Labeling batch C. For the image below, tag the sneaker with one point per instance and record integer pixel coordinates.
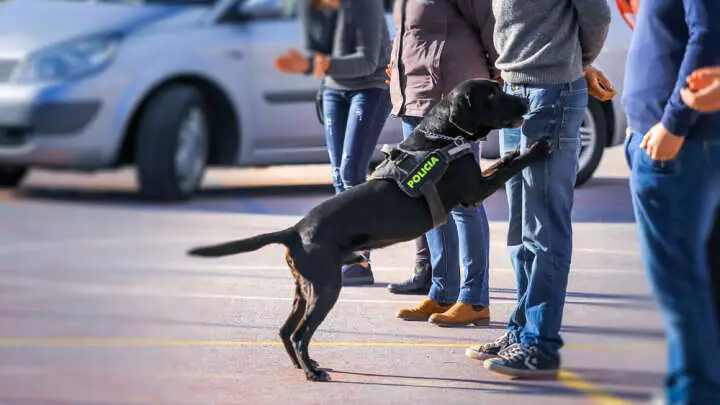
(489, 350)
(461, 315)
(524, 361)
(423, 311)
(357, 274)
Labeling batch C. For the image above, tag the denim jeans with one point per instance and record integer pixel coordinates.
(675, 202)
(540, 199)
(466, 232)
(353, 122)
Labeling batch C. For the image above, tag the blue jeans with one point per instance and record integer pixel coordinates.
(466, 230)
(353, 122)
(675, 202)
(540, 200)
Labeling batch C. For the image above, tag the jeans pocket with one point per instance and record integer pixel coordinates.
(568, 138)
(648, 164)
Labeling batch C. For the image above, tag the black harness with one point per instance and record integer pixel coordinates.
(417, 172)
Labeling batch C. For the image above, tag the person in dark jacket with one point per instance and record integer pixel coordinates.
(673, 151)
(347, 43)
(438, 45)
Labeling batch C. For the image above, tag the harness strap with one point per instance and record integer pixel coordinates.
(437, 210)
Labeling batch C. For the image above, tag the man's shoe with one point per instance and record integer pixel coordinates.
(489, 350)
(357, 274)
(423, 311)
(524, 361)
(462, 314)
(418, 283)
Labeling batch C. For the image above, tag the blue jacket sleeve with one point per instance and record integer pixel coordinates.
(703, 49)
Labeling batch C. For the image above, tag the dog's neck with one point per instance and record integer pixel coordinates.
(424, 136)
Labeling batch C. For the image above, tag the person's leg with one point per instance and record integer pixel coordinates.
(547, 196)
(674, 203)
(468, 233)
(714, 263)
(369, 109)
(335, 107)
(420, 279)
(519, 256)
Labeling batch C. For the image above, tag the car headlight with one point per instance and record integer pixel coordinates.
(70, 59)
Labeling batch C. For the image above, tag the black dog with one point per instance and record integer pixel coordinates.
(378, 213)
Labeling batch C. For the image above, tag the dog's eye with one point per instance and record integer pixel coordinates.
(491, 96)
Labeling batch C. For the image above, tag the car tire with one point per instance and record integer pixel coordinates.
(593, 138)
(171, 148)
(12, 176)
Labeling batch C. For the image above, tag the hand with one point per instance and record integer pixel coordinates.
(661, 144)
(598, 85)
(388, 71)
(292, 62)
(322, 64)
(703, 92)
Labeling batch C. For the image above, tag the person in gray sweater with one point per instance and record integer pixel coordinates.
(347, 43)
(545, 48)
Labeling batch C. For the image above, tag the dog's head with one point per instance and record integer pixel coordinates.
(478, 106)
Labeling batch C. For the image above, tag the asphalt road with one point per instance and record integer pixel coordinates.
(99, 304)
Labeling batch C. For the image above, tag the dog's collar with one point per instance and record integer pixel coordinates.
(458, 140)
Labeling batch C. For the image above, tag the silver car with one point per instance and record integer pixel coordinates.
(176, 86)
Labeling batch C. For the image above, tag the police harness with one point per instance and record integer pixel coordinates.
(417, 172)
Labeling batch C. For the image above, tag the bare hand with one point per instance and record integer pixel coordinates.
(598, 85)
(293, 61)
(388, 71)
(322, 64)
(661, 144)
(703, 92)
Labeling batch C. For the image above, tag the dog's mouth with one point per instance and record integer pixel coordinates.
(516, 123)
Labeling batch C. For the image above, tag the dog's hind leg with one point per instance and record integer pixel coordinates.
(321, 300)
(297, 313)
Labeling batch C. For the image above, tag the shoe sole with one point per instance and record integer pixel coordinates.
(412, 319)
(524, 374)
(479, 355)
(408, 292)
(478, 322)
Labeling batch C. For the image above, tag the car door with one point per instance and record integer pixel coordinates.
(285, 128)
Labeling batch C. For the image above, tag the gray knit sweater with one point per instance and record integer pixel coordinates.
(548, 41)
(357, 39)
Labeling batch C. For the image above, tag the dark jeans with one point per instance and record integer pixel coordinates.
(465, 236)
(540, 200)
(714, 263)
(675, 202)
(353, 122)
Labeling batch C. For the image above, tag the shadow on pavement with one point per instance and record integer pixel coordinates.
(604, 200)
(519, 387)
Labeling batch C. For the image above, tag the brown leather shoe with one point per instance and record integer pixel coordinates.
(460, 315)
(423, 311)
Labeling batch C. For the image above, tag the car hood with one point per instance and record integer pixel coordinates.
(29, 25)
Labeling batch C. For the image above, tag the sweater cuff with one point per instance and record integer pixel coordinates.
(678, 120)
(311, 65)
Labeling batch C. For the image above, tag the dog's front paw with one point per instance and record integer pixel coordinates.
(318, 375)
(541, 148)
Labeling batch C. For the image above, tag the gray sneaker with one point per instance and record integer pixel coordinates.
(489, 350)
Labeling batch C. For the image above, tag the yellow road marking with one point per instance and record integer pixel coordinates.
(595, 393)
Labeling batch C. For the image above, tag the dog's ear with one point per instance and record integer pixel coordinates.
(462, 114)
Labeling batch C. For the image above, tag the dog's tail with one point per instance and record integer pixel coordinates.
(244, 245)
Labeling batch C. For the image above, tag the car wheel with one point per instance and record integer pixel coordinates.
(593, 138)
(172, 144)
(11, 176)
